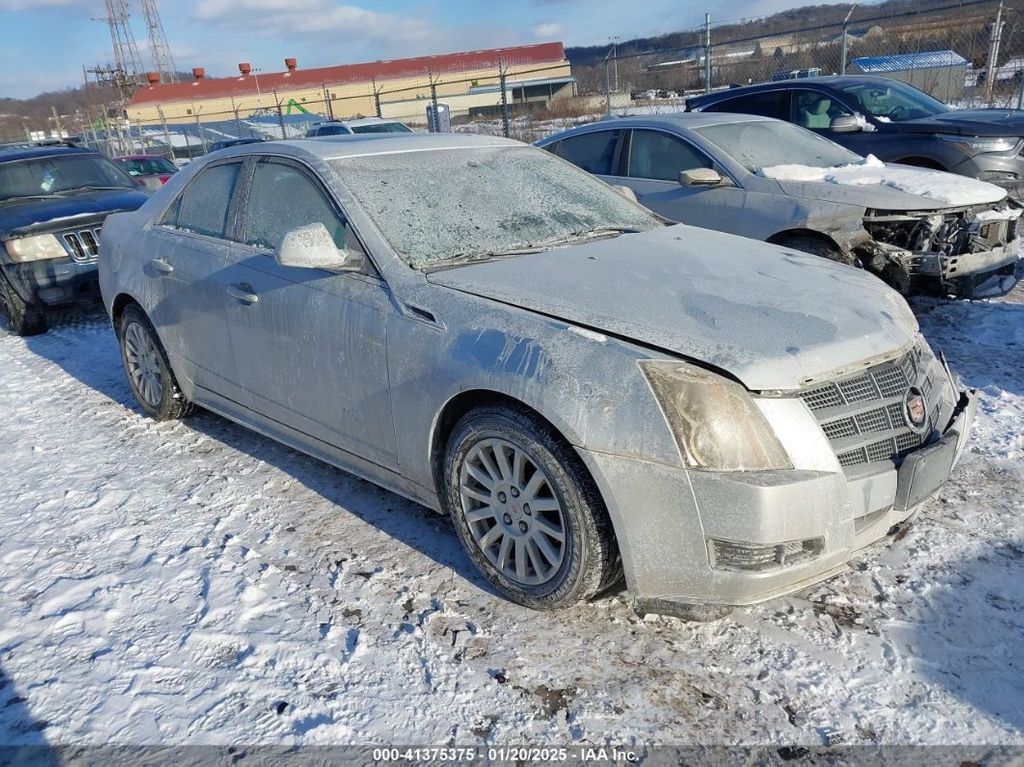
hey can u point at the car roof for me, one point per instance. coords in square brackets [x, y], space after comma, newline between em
[22, 152]
[362, 144]
[688, 120]
[139, 157]
[357, 121]
[827, 81]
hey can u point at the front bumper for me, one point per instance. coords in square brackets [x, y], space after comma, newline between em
[1005, 170]
[985, 274]
[54, 282]
[668, 520]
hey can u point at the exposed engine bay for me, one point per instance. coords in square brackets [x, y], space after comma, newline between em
[968, 252]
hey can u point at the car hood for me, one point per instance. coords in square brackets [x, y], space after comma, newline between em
[969, 122]
[877, 197]
[61, 211]
[774, 318]
[885, 186]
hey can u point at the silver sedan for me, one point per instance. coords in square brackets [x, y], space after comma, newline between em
[486, 329]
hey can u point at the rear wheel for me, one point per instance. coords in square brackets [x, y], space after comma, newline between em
[526, 511]
[149, 374]
[23, 318]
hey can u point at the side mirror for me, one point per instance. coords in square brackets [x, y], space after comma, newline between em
[626, 192]
[846, 124]
[312, 247]
[702, 177]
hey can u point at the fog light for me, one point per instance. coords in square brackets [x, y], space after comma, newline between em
[758, 557]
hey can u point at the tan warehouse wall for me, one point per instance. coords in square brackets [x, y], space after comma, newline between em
[347, 100]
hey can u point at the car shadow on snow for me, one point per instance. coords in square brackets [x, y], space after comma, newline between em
[416, 526]
[21, 734]
[970, 638]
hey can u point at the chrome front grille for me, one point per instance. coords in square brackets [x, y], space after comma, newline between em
[863, 415]
[83, 245]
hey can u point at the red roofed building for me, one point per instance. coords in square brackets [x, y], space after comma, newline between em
[395, 88]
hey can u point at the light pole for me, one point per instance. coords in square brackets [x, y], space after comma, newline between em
[615, 59]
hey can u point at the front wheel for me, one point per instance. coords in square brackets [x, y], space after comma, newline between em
[149, 374]
[23, 318]
[526, 511]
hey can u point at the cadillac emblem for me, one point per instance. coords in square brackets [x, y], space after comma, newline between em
[915, 410]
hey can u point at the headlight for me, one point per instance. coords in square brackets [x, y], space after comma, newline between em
[36, 248]
[714, 421]
[980, 144]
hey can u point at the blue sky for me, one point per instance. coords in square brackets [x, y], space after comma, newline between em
[46, 42]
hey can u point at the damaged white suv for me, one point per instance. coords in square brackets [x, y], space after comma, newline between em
[488, 330]
[922, 231]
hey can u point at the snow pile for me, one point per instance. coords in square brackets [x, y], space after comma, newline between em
[936, 185]
[196, 583]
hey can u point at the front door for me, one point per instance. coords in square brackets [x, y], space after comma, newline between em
[652, 164]
[309, 345]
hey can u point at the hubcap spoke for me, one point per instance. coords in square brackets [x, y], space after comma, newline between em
[143, 366]
[522, 535]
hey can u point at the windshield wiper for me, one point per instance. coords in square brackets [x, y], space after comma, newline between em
[461, 259]
[23, 198]
[96, 188]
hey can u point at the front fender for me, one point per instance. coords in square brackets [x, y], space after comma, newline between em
[588, 385]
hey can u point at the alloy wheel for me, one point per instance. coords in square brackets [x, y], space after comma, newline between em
[144, 364]
[512, 511]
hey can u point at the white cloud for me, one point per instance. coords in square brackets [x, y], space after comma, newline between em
[547, 30]
[320, 18]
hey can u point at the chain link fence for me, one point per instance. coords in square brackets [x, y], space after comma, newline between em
[968, 54]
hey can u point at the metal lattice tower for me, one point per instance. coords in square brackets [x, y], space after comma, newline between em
[126, 51]
[163, 62]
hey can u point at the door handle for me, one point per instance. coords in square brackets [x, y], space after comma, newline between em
[161, 265]
[243, 293]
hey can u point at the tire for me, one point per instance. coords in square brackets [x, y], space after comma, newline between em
[145, 363]
[819, 247]
[23, 318]
[514, 545]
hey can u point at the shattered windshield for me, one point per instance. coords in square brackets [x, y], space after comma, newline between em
[761, 144]
[451, 205]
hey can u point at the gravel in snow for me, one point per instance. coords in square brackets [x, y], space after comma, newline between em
[164, 583]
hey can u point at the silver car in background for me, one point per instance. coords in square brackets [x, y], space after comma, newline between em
[490, 331]
[920, 230]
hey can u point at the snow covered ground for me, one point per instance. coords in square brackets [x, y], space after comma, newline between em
[164, 583]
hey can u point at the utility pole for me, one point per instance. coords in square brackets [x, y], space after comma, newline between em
[608, 84]
[846, 30]
[707, 53]
[435, 123]
[993, 52]
[56, 122]
[502, 80]
[615, 59]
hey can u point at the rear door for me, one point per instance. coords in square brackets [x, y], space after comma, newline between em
[187, 253]
[309, 345]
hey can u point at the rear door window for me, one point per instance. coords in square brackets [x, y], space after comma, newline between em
[766, 104]
[203, 207]
[594, 151]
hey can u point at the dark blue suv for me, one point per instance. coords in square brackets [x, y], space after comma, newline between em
[53, 200]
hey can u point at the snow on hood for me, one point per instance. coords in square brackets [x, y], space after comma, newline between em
[772, 317]
[946, 188]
